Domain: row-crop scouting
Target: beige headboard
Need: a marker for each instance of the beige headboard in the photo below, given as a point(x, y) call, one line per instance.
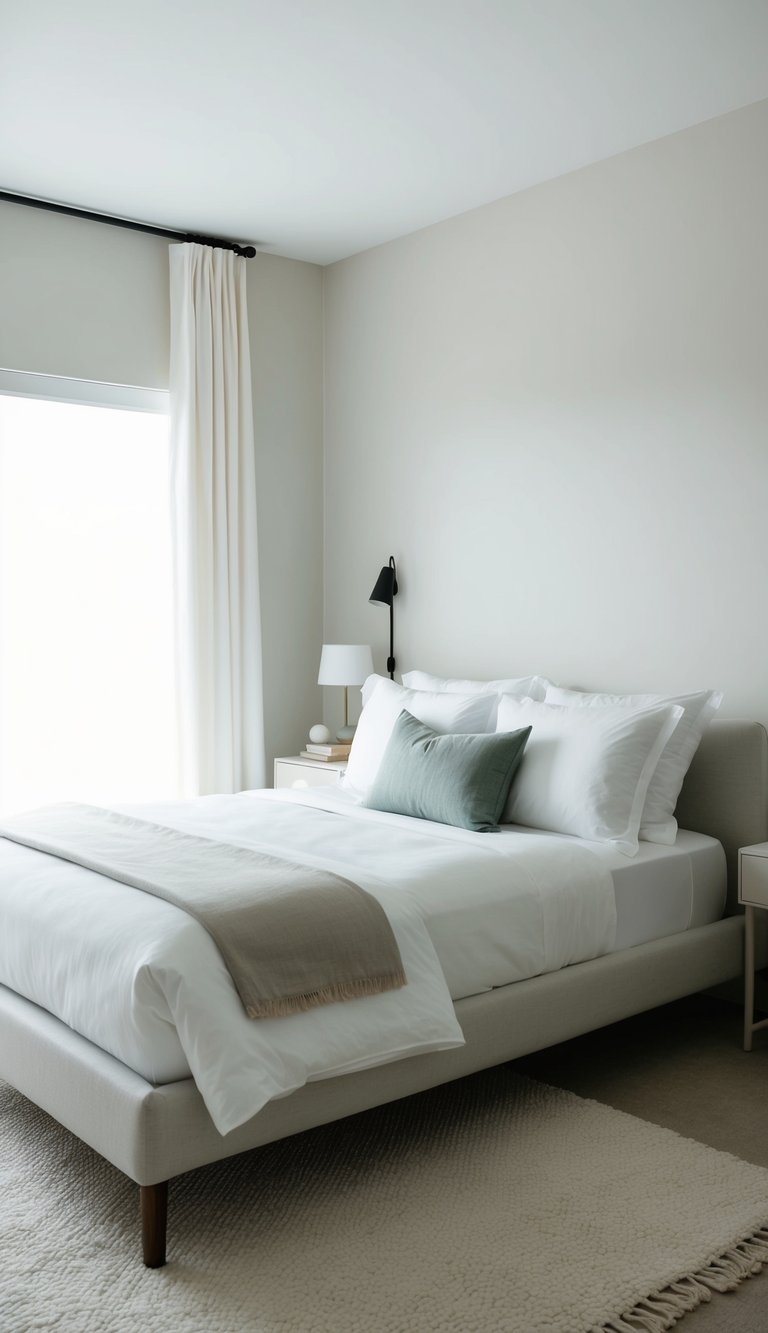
point(725, 792)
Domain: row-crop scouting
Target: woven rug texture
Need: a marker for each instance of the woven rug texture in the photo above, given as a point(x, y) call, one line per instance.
point(492, 1205)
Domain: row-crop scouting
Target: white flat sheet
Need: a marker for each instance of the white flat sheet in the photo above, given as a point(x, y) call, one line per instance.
point(663, 890)
point(144, 981)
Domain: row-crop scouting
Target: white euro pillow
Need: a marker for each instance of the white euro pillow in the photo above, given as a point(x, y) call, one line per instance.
point(585, 771)
point(657, 822)
point(531, 687)
point(385, 701)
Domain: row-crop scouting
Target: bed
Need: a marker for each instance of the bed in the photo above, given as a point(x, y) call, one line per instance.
point(155, 1130)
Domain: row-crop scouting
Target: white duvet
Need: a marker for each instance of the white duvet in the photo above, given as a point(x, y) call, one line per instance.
point(144, 981)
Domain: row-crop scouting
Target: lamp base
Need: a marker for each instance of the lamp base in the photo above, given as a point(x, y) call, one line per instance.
point(345, 734)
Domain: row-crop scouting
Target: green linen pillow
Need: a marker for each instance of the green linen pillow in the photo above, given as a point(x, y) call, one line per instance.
point(460, 780)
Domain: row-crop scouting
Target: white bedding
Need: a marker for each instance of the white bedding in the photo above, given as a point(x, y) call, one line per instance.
point(145, 982)
point(665, 890)
point(662, 890)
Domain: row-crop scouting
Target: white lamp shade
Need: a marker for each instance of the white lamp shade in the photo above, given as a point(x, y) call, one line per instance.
point(345, 664)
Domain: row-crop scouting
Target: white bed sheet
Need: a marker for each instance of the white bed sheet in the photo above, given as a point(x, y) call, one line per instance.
point(475, 928)
point(663, 890)
point(145, 982)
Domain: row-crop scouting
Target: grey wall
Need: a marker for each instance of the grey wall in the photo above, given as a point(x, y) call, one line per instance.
point(91, 301)
point(554, 412)
point(285, 314)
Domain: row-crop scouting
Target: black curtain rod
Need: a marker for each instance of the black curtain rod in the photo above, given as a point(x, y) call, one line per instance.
point(247, 251)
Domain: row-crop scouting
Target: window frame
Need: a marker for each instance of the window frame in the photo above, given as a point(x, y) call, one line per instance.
point(90, 393)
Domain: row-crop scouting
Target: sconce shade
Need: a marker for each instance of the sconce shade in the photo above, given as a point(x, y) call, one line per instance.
point(386, 586)
point(345, 664)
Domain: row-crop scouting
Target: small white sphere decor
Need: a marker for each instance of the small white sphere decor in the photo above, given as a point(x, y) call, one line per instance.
point(319, 734)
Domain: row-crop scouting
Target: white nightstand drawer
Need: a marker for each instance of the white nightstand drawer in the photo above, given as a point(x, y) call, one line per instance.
point(753, 879)
point(303, 773)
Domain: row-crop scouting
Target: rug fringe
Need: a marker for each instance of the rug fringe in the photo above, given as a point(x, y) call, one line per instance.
point(661, 1310)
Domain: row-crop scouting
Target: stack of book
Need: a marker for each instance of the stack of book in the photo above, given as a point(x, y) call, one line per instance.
point(332, 752)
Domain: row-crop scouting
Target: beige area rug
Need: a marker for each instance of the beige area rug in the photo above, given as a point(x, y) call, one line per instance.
point(495, 1205)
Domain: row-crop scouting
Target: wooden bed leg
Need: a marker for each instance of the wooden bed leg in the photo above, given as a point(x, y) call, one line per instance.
point(154, 1214)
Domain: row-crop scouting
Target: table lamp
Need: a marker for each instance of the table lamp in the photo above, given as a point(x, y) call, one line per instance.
point(345, 664)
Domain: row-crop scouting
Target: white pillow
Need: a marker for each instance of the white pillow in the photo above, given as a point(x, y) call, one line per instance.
point(657, 822)
point(530, 687)
point(457, 713)
point(370, 684)
point(585, 770)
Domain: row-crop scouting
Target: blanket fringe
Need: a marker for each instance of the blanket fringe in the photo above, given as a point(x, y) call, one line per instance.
point(661, 1310)
point(346, 990)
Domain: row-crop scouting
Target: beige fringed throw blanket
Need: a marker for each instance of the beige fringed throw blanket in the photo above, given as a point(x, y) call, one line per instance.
point(291, 936)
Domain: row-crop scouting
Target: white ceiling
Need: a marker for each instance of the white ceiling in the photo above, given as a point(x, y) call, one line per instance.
point(318, 128)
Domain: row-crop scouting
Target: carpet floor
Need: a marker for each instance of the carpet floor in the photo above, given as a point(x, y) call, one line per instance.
point(681, 1066)
point(495, 1205)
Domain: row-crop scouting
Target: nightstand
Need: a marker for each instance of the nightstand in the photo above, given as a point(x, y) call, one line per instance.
point(295, 771)
point(753, 893)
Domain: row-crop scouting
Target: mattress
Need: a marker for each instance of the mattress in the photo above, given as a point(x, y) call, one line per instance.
point(474, 928)
point(662, 890)
point(665, 890)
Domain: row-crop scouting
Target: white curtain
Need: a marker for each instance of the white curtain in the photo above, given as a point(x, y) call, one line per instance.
point(213, 488)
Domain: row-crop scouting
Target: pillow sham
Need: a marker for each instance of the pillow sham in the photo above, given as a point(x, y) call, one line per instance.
point(443, 712)
point(586, 770)
point(453, 779)
point(657, 822)
point(369, 685)
point(530, 687)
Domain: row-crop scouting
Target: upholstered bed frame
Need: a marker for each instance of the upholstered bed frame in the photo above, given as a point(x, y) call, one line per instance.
point(155, 1133)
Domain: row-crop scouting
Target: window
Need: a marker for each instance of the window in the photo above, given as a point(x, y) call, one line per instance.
point(87, 707)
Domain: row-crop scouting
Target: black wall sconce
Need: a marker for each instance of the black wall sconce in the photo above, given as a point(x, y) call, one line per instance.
point(384, 595)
